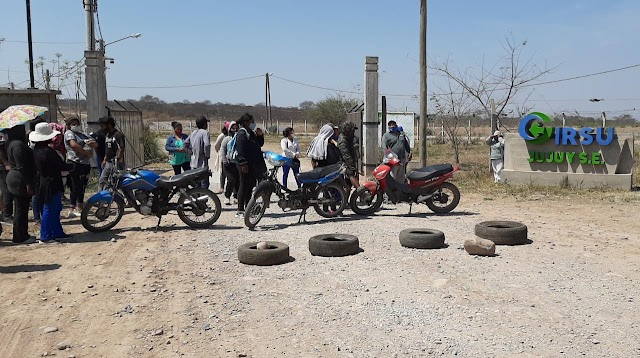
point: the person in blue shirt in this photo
(179, 157)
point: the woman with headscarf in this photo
(20, 181)
(217, 145)
(323, 150)
(50, 167)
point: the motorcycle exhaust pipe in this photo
(422, 198)
(202, 198)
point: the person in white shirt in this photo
(290, 149)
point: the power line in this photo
(44, 42)
(313, 86)
(191, 85)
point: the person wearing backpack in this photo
(397, 142)
(229, 169)
(250, 161)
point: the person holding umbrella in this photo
(50, 188)
(20, 178)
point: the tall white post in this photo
(370, 122)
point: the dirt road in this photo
(180, 292)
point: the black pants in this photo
(7, 197)
(247, 183)
(79, 176)
(233, 184)
(177, 169)
(21, 218)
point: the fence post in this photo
(469, 138)
(305, 128)
(564, 119)
(604, 120)
(442, 131)
(291, 122)
(158, 127)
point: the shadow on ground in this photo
(28, 268)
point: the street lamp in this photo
(134, 36)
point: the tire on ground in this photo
(276, 254)
(334, 245)
(502, 232)
(422, 238)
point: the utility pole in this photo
(95, 76)
(268, 100)
(423, 83)
(30, 40)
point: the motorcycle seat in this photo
(429, 172)
(188, 176)
(318, 173)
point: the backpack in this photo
(232, 152)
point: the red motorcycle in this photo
(428, 185)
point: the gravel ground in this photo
(178, 292)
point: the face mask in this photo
(75, 128)
(232, 133)
(252, 126)
(392, 129)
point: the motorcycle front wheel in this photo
(331, 200)
(200, 208)
(101, 216)
(363, 202)
(445, 198)
(254, 211)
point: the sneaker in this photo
(77, 213)
(240, 214)
(50, 241)
(227, 201)
(8, 220)
(71, 214)
(235, 201)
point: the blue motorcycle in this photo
(151, 195)
(320, 188)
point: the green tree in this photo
(332, 110)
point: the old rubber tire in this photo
(502, 232)
(334, 245)
(422, 238)
(276, 254)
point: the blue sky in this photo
(324, 43)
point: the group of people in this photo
(241, 161)
(39, 160)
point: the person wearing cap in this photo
(217, 145)
(398, 143)
(496, 154)
(50, 166)
(79, 147)
(114, 149)
(199, 141)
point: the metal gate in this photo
(129, 122)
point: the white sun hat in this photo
(43, 132)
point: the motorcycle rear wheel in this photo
(445, 198)
(101, 211)
(333, 200)
(254, 211)
(196, 216)
(364, 203)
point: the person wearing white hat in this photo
(50, 187)
(496, 142)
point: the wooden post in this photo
(384, 114)
(469, 138)
(604, 120)
(564, 119)
(305, 128)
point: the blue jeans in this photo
(50, 226)
(285, 174)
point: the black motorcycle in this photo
(320, 189)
